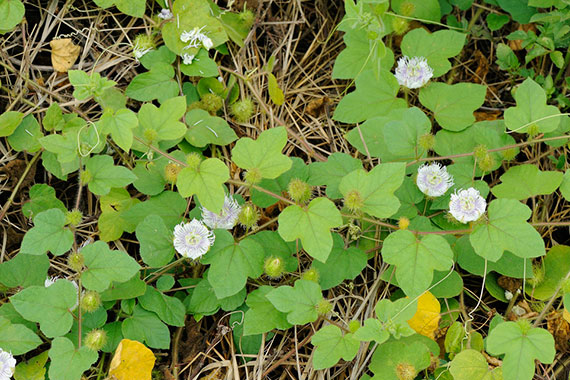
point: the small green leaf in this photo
(263, 154)
(373, 330)
(49, 306)
(521, 344)
(26, 136)
(525, 181)
(331, 172)
(169, 309)
(105, 175)
(395, 315)
(436, 47)
(158, 124)
(394, 357)
(531, 107)
(262, 316)
(154, 84)
(453, 105)
(67, 363)
(519, 10)
(275, 93)
(472, 365)
(506, 229)
(168, 205)
(10, 120)
(33, 369)
(17, 339)
(376, 188)
(556, 266)
(111, 222)
(11, 13)
(232, 263)
(416, 258)
(48, 234)
(105, 265)
(496, 22)
(146, 327)
(403, 136)
(311, 224)
(24, 270)
(120, 125)
(204, 129)
(206, 181)
(42, 198)
(86, 85)
(331, 344)
(155, 241)
(307, 295)
(53, 119)
(374, 96)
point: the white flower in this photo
(195, 38)
(206, 41)
(192, 239)
(138, 52)
(225, 219)
(187, 58)
(433, 180)
(467, 205)
(414, 72)
(508, 295)
(165, 14)
(7, 365)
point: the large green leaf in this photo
(158, 124)
(24, 270)
(111, 222)
(232, 263)
(374, 96)
(104, 175)
(33, 369)
(422, 9)
(416, 258)
(9, 121)
(453, 105)
(402, 137)
(332, 171)
(264, 154)
(472, 365)
(48, 234)
(17, 339)
(262, 316)
(306, 296)
(48, 306)
(120, 125)
(206, 181)
(169, 309)
(521, 345)
(42, 198)
(168, 205)
(105, 265)
(531, 107)
(155, 241)
(204, 129)
(396, 358)
(436, 47)
(26, 136)
(331, 344)
(376, 188)
(280, 184)
(311, 224)
(11, 13)
(68, 363)
(146, 327)
(154, 84)
(525, 181)
(506, 229)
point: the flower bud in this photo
(400, 25)
(274, 267)
(171, 172)
(324, 307)
(248, 215)
(403, 223)
(487, 163)
(73, 218)
(96, 339)
(311, 274)
(193, 160)
(353, 200)
(299, 191)
(242, 110)
(212, 103)
(427, 141)
(75, 261)
(253, 176)
(90, 301)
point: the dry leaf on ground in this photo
(63, 54)
(132, 360)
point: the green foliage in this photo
(48, 234)
(9, 121)
(26, 136)
(395, 359)
(119, 124)
(307, 295)
(133, 8)
(11, 13)
(521, 344)
(525, 181)
(262, 316)
(206, 181)
(33, 369)
(88, 85)
(157, 83)
(156, 245)
(24, 270)
(67, 362)
(331, 172)
(554, 267)
(158, 124)
(169, 309)
(102, 175)
(16, 338)
(332, 345)
(472, 365)
(204, 129)
(422, 9)
(146, 327)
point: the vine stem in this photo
(17, 187)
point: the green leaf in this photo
(422, 9)
(50, 306)
(125, 290)
(373, 330)
(120, 124)
(262, 316)
(234, 27)
(279, 185)
(521, 345)
(402, 137)
(48, 234)
(531, 107)
(206, 181)
(53, 119)
(263, 154)
(374, 96)
(42, 198)
(525, 181)
(145, 327)
(169, 309)
(331, 344)
(392, 357)
(111, 222)
(168, 205)
(311, 224)
(472, 365)
(453, 105)
(275, 93)
(155, 240)
(26, 136)
(416, 258)
(519, 10)
(342, 264)
(104, 175)
(33, 369)
(67, 363)
(496, 22)
(506, 229)
(24, 270)
(395, 315)
(11, 13)
(158, 56)
(204, 129)
(307, 295)
(203, 299)
(158, 124)
(274, 246)
(10, 120)
(154, 84)
(105, 265)
(17, 339)
(86, 85)
(435, 47)
(376, 188)
(232, 263)
(555, 267)
(133, 8)
(331, 172)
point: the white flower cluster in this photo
(7, 365)
(413, 72)
(465, 205)
(195, 38)
(194, 239)
(138, 51)
(165, 14)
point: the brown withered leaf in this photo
(560, 329)
(486, 115)
(516, 45)
(509, 283)
(63, 54)
(482, 67)
(316, 107)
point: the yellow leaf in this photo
(566, 315)
(275, 93)
(63, 54)
(132, 360)
(426, 319)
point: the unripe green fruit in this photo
(311, 274)
(487, 163)
(73, 218)
(480, 152)
(253, 176)
(212, 103)
(96, 339)
(353, 200)
(150, 135)
(400, 25)
(299, 191)
(407, 8)
(427, 141)
(405, 371)
(90, 301)
(324, 307)
(247, 17)
(75, 261)
(274, 267)
(171, 172)
(242, 110)
(509, 154)
(248, 215)
(193, 160)
(533, 130)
